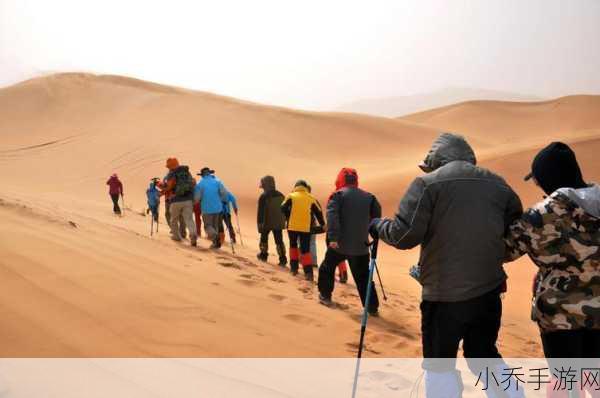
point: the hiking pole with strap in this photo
(365, 317)
(151, 224)
(237, 219)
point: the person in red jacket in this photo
(115, 190)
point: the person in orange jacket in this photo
(180, 186)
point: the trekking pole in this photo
(237, 219)
(365, 317)
(123, 203)
(151, 224)
(381, 284)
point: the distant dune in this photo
(76, 281)
(404, 105)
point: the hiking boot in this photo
(343, 277)
(282, 261)
(215, 245)
(175, 238)
(308, 273)
(262, 257)
(326, 301)
(194, 242)
(294, 271)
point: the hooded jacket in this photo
(349, 212)
(269, 215)
(153, 196)
(115, 187)
(211, 194)
(561, 235)
(458, 213)
(299, 208)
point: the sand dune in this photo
(76, 281)
(398, 106)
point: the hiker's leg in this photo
(305, 256)
(188, 218)
(313, 250)
(115, 200)
(327, 272)
(263, 246)
(221, 229)
(278, 236)
(359, 266)
(176, 210)
(442, 329)
(294, 251)
(210, 230)
(229, 225)
(481, 334)
(168, 213)
(198, 219)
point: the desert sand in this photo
(76, 281)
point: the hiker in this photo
(168, 196)
(561, 235)
(211, 194)
(229, 202)
(115, 190)
(315, 230)
(349, 212)
(458, 213)
(180, 188)
(299, 208)
(153, 199)
(270, 218)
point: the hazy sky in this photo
(312, 54)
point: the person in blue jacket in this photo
(227, 205)
(211, 194)
(153, 196)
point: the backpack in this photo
(184, 182)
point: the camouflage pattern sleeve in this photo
(523, 235)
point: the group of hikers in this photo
(468, 222)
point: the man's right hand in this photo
(334, 245)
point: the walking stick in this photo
(365, 317)
(122, 202)
(237, 219)
(151, 224)
(381, 283)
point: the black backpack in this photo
(184, 182)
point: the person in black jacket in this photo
(270, 218)
(349, 212)
(458, 213)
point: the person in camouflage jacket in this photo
(561, 235)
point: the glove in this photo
(373, 231)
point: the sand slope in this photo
(102, 287)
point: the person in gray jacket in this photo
(349, 212)
(458, 213)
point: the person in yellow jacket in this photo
(299, 208)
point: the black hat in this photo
(301, 183)
(205, 171)
(556, 167)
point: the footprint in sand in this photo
(229, 264)
(297, 318)
(277, 297)
(248, 282)
(278, 280)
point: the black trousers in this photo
(115, 200)
(227, 220)
(444, 324)
(359, 267)
(300, 237)
(580, 343)
(277, 235)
